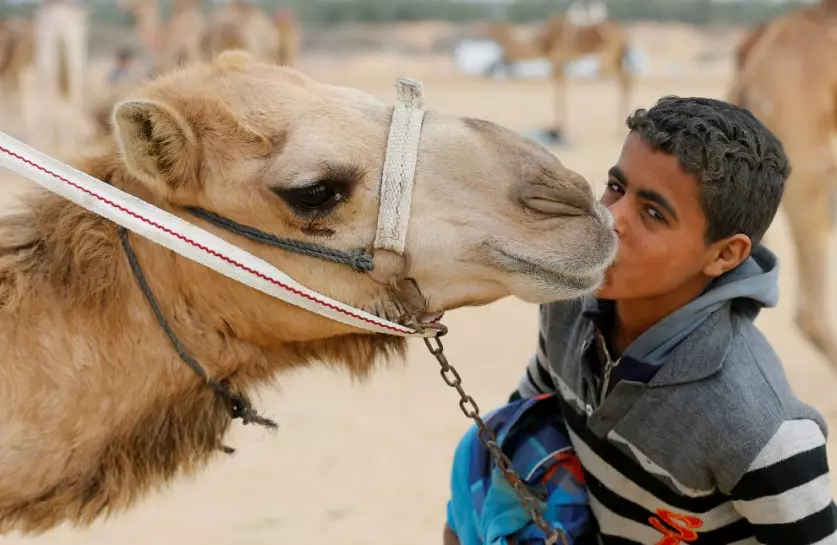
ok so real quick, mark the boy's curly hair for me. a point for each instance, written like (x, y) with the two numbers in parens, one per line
(738, 162)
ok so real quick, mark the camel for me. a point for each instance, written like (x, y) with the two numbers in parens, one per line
(55, 43)
(182, 40)
(17, 50)
(61, 50)
(99, 409)
(242, 24)
(785, 81)
(171, 45)
(287, 27)
(563, 39)
(749, 39)
(146, 19)
(178, 42)
(189, 36)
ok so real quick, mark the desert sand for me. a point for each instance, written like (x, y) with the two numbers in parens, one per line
(368, 463)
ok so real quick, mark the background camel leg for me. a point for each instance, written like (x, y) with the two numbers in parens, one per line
(626, 84)
(75, 44)
(29, 104)
(11, 98)
(559, 86)
(193, 51)
(806, 204)
(47, 43)
(615, 66)
(77, 50)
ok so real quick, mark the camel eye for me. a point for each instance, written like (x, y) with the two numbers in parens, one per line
(335, 183)
(319, 197)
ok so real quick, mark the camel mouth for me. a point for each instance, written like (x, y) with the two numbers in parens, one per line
(404, 304)
(431, 318)
(539, 270)
(422, 320)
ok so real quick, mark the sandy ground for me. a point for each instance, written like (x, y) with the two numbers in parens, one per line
(368, 463)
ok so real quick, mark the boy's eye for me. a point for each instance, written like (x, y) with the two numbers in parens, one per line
(654, 215)
(613, 186)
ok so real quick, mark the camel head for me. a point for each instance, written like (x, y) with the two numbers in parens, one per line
(492, 214)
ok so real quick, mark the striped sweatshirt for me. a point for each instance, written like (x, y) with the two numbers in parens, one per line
(711, 447)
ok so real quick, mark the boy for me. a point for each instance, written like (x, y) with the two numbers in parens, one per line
(676, 405)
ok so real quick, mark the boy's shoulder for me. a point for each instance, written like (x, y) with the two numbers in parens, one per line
(752, 403)
(750, 385)
(723, 394)
(739, 413)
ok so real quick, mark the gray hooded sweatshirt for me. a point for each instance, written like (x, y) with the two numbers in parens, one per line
(699, 438)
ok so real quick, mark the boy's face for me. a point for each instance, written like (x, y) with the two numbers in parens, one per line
(661, 227)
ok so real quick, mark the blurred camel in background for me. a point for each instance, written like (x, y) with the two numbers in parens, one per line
(787, 78)
(566, 37)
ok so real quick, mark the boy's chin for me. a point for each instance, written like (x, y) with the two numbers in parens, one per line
(607, 290)
(605, 293)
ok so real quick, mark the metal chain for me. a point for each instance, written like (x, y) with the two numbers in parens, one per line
(487, 437)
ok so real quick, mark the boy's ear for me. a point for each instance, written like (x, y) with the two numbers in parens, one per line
(728, 254)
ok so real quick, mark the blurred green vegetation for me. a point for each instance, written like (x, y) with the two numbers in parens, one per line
(331, 12)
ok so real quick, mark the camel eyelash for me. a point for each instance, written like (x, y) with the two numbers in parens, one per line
(312, 200)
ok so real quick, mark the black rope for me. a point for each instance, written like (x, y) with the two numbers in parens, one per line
(239, 406)
(358, 259)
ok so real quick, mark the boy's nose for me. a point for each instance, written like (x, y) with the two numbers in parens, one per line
(618, 214)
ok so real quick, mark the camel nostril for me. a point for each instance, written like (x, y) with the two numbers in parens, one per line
(580, 195)
(556, 191)
(567, 199)
(555, 208)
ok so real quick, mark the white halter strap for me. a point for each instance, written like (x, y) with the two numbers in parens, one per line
(201, 246)
(396, 192)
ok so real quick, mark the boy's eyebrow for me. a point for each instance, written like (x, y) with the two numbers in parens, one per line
(646, 194)
(617, 173)
(658, 199)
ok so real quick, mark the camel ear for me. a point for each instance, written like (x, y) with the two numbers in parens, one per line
(158, 145)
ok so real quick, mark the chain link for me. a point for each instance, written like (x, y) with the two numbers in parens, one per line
(471, 410)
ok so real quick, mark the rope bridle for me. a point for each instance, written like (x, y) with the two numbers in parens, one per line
(133, 214)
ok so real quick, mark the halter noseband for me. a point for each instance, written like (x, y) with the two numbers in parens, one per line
(396, 193)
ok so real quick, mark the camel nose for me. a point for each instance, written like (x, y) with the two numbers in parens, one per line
(569, 195)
